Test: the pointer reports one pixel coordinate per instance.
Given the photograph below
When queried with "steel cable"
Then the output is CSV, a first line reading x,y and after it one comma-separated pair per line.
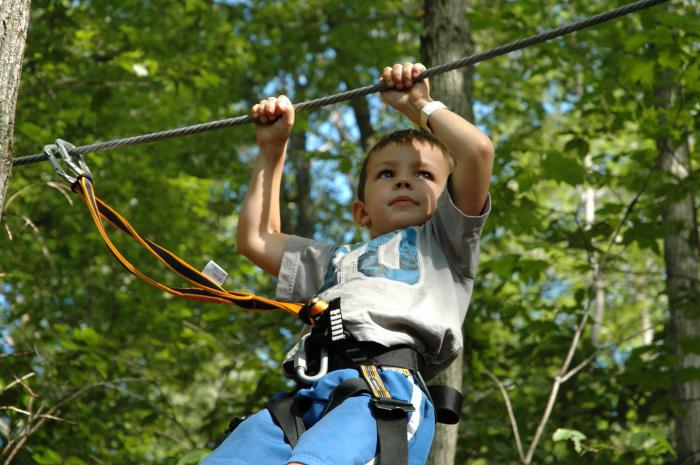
x,y
359,92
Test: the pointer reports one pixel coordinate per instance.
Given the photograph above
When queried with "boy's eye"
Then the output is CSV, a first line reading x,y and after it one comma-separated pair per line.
x,y
426,174
385,174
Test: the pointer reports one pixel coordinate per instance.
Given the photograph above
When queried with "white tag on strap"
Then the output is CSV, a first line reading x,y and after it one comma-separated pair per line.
x,y
215,272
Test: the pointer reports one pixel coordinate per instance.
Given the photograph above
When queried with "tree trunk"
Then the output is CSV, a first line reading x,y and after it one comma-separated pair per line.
x,y
682,287
14,20
296,204
304,214
360,108
589,197
297,207
446,38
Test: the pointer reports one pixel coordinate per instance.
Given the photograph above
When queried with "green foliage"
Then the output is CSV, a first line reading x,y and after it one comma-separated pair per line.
x,y
114,371
576,437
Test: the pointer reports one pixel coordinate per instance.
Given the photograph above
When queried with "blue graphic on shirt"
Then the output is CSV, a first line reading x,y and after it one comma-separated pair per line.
x,y
331,277
408,271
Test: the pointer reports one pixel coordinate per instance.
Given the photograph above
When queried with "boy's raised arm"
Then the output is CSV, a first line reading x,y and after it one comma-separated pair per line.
x,y
472,149
259,235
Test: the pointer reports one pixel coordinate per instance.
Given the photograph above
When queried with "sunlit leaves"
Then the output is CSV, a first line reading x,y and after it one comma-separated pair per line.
x,y
165,376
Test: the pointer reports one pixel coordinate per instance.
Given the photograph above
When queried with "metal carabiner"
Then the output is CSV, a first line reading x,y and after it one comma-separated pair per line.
x,y
300,365
58,153
50,151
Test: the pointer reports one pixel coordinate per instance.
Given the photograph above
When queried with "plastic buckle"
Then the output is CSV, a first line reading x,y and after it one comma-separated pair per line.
x,y
59,152
233,424
389,405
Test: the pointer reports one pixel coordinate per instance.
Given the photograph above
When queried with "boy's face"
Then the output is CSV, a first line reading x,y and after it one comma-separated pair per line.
x,y
403,185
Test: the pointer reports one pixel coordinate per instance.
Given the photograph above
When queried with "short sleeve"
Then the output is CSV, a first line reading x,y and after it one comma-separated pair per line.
x,y
304,264
458,234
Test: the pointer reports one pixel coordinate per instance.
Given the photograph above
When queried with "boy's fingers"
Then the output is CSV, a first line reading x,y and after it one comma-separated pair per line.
x,y
407,74
270,109
283,104
396,75
401,76
386,76
284,100
286,109
271,106
261,111
257,112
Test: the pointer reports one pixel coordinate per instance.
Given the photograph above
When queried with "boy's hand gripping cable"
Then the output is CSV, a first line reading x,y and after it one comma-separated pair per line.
x,y
207,290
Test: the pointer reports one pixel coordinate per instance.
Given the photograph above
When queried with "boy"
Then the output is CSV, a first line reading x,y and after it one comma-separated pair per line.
x,y
424,235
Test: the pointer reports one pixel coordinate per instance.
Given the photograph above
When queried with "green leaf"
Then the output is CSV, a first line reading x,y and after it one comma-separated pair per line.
x,y
563,168
193,457
572,435
47,457
578,145
642,71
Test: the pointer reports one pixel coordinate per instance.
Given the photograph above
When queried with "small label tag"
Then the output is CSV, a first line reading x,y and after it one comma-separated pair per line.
x,y
215,272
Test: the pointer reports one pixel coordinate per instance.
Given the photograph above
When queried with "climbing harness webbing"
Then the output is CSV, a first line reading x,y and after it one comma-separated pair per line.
x,y
206,290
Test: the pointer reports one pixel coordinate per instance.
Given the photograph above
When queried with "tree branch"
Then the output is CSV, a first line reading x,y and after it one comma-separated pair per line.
x,y
511,414
564,374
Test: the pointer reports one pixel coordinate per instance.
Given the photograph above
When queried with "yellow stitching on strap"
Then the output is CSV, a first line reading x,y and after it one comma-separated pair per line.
x,y
371,375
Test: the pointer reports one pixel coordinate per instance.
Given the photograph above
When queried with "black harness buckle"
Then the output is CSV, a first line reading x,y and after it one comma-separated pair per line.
x,y
391,405
355,355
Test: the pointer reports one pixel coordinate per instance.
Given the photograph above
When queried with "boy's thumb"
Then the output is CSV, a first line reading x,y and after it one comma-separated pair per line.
x,y
289,111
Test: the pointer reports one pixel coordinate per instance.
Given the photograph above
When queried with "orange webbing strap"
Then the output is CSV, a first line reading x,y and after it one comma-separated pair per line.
x,y
207,290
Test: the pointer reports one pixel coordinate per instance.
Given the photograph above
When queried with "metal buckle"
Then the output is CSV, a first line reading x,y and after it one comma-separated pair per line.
x,y
58,153
315,305
300,365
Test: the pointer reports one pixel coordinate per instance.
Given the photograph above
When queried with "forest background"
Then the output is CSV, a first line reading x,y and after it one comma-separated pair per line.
x,y
583,329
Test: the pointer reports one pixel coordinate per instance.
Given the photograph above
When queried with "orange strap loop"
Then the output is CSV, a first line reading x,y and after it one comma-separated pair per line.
x,y
207,290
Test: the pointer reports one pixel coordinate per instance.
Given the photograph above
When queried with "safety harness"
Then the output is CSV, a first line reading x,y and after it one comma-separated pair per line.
x,y
335,349
326,348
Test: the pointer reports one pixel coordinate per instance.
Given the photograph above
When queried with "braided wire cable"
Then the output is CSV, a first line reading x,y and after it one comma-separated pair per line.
x,y
359,92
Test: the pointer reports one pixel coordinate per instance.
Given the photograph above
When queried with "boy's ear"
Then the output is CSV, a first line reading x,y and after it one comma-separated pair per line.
x,y
359,214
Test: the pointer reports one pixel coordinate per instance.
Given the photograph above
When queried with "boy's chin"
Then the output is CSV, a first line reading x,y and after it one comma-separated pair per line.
x,y
401,223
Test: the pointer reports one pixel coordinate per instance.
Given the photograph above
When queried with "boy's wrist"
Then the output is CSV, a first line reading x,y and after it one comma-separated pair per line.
x,y
428,110
413,108
418,104
272,150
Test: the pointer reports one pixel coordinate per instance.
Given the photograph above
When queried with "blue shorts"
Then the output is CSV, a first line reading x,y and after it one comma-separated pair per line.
x,y
347,435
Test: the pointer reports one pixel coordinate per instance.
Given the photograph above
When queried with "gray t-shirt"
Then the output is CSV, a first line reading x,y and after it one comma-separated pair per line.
x,y
408,287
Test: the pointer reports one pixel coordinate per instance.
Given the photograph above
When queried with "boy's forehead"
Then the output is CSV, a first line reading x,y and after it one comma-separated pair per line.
x,y
413,151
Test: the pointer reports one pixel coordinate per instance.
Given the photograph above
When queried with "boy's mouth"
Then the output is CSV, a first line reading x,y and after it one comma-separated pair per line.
x,y
402,200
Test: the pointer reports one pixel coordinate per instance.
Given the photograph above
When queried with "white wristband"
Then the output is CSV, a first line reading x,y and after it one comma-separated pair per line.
x,y
427,110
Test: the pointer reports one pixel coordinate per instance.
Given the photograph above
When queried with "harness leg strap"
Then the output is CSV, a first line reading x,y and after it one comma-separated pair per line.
x,y
392,419
392,430
346,389
391,414
447,402
287,413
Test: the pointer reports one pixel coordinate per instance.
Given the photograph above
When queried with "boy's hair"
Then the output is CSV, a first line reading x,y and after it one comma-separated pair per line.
x,y
403,137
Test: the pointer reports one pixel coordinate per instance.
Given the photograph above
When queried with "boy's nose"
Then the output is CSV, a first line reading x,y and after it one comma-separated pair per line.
x,y
402,183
